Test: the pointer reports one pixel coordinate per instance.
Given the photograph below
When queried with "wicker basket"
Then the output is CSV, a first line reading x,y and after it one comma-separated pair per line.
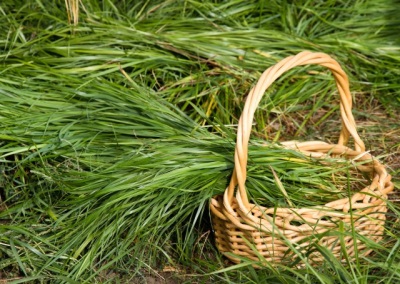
x,y
277,235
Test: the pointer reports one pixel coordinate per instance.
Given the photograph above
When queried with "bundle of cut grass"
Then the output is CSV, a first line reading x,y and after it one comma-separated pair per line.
x,y
195,53
93,164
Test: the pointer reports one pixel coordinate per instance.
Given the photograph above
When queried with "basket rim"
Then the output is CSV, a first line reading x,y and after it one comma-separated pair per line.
x,y
380,186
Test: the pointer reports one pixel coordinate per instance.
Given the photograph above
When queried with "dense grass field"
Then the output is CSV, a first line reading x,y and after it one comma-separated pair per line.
x,y
118,122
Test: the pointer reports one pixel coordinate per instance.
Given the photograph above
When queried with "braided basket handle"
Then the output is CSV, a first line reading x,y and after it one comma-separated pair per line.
x,y
253,99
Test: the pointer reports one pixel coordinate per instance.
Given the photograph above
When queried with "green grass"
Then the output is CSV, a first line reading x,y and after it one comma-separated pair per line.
x,y
108,166
115,133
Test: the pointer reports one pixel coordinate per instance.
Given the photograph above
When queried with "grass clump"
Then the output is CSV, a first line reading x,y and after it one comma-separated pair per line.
x,y
102,164
117,131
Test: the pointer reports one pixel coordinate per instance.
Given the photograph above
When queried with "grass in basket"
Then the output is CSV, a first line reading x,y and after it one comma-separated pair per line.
x,y
73,132
99,173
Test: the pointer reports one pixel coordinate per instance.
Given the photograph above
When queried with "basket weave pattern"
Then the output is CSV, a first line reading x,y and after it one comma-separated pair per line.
x,y
243,229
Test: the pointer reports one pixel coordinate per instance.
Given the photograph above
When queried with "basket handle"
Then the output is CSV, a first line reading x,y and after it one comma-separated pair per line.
x,y
253,99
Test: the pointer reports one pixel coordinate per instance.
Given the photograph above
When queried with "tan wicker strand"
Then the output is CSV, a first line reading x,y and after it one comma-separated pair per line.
x,y
243,229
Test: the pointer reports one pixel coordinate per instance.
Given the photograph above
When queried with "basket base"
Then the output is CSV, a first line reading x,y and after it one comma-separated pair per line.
x,y
270,247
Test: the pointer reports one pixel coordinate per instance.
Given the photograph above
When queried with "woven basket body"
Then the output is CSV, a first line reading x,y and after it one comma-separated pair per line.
x,y
277,235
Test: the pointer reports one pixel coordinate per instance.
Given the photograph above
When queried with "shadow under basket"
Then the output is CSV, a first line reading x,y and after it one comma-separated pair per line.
x,y
269,236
